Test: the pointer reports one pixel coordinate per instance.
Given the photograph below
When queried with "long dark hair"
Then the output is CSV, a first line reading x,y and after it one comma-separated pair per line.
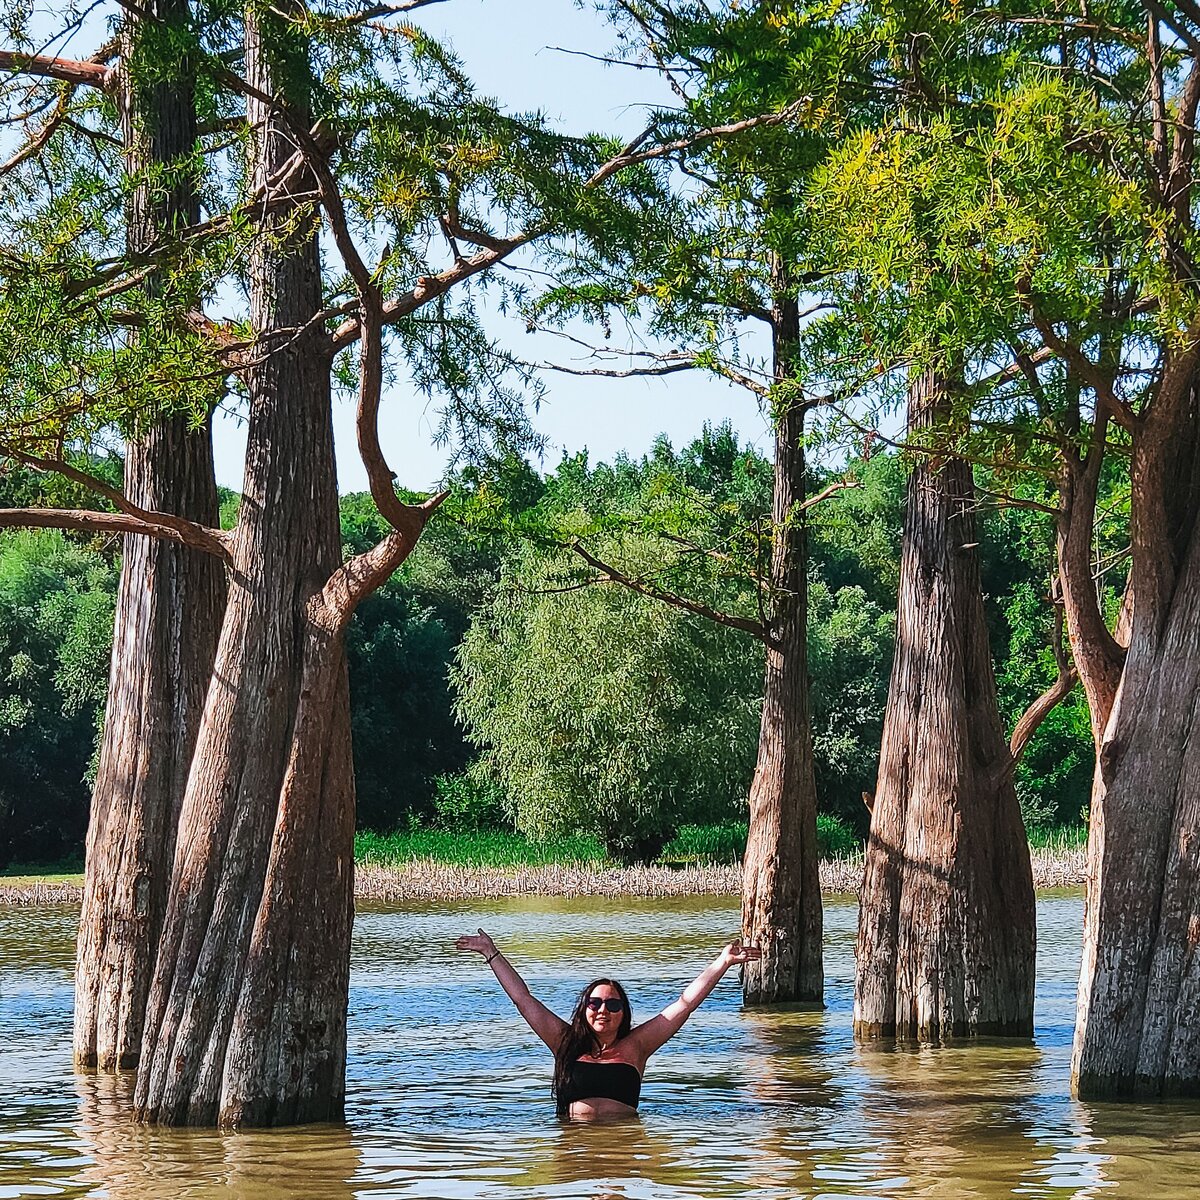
x,y
579,1039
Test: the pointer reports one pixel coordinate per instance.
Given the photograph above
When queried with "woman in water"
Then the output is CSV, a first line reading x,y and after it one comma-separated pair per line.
x,y
600,1055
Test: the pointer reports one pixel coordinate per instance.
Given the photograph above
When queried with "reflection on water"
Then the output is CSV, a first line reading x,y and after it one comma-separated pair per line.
x,y
448,1091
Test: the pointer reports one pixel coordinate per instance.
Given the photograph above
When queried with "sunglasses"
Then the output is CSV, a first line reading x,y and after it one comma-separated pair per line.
x,y
613,1004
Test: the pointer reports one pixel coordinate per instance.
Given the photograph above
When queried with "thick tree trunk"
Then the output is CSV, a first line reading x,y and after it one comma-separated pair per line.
x,y
781,894
1138,1026
246,1023
946,915
168,613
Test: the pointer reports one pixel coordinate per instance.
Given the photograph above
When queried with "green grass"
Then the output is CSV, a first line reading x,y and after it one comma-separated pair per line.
x,y
1067,837
702,844
22,877
485,848
725,842
70,870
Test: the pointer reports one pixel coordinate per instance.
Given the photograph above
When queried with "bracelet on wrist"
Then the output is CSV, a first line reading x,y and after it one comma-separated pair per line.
x,y
487,958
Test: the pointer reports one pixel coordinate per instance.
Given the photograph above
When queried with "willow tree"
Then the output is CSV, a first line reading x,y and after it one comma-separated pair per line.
x,y
245,1021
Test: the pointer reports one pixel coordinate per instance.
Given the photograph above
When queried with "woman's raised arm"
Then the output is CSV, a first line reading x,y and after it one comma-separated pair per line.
x,y
537,1016
650,1035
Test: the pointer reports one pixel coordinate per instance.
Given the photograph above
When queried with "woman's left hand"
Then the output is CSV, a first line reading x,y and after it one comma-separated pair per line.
x,y
738,952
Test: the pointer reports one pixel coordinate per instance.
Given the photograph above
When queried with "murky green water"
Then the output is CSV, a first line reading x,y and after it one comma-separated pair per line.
x,y
448,1091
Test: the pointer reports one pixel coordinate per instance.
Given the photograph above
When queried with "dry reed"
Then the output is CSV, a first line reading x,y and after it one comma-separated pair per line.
x,y
33,893
426,879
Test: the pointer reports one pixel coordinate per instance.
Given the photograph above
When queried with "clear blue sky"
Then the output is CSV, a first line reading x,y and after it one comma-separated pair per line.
x,y
508,50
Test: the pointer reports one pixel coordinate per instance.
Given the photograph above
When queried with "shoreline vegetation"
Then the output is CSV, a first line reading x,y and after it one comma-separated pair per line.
x,y
434,865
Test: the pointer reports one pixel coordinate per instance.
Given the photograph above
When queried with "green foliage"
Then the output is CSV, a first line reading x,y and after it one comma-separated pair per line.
x,y
604,712
850,645
403,730
622,715
56,611
401,644
468,802
726,842
475,849
854,535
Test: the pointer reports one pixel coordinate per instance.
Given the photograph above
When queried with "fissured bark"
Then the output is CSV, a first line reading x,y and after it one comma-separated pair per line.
x,y
946,931
168,611
246,1023
781,893
1138,1025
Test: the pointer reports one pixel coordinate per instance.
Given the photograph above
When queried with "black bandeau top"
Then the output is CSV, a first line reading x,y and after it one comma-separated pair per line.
x,y
603,1081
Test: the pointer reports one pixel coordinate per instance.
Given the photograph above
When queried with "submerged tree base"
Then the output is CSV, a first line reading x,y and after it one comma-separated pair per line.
x,y
930,1033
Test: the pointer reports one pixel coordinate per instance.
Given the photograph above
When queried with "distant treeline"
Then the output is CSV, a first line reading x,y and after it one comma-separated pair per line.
x,y
552,658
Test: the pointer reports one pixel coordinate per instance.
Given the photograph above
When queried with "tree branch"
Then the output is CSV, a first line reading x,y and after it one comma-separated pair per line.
x,y
35,144
189,533
79,73
361,575
1087,370
630,155
838,485
756,629
195,537
1054,695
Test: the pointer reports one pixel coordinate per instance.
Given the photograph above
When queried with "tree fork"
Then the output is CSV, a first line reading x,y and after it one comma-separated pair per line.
x,y
246,1023
263,739
1137,1031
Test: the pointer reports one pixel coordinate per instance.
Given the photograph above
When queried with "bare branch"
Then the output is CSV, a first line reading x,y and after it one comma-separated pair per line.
x,y
663,364
1057,692
610,574
670,367
189,533
603,58
839,485
1005,500
371,13
36,143
88,521
69,70
628,158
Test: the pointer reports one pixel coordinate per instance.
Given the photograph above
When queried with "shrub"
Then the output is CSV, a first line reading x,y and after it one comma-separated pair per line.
x,y
468,802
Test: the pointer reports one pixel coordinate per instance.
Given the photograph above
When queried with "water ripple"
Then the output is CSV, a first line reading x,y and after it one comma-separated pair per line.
x,y
448,1091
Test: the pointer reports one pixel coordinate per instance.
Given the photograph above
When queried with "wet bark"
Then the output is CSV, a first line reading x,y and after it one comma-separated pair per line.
x,y
246,1023
946,919
1138,1024
168,612
781,895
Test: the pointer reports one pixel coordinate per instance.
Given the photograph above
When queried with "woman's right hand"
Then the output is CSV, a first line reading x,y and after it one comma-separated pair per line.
x,y
481,943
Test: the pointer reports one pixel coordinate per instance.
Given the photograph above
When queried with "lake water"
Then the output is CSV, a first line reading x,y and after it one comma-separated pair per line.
x,y
448,1091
